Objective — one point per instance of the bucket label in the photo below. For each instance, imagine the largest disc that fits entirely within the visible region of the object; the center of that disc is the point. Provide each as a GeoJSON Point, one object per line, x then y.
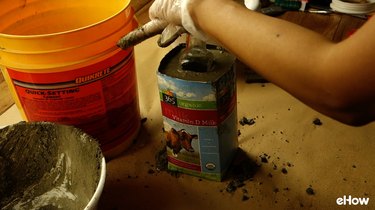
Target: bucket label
{"type": "Point", "coordinates": [200, 124]}
{"type": "Point", "coordinates": [101, 98]}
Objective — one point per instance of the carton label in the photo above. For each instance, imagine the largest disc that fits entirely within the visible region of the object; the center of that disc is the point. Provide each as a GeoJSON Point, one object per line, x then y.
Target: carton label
{"type": "Point", "coordinates": [200, 124]}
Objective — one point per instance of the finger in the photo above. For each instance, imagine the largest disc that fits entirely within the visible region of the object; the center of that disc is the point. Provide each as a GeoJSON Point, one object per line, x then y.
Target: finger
{"type": "Point", "coordinates": [142, 33]}
{"type": "Point", "coordinates": [170, 34]}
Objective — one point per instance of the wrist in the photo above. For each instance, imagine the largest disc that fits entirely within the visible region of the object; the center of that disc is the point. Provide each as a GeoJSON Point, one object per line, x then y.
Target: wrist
{"type": "Point", "coordinates": [190, 11]}
{"type": "Point", "coordinates": [197, 8]}
{"type": "Point", "coordinates": [204, 12]}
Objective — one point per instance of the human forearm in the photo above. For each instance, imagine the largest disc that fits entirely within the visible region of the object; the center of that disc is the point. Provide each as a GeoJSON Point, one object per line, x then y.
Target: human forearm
{"type": "Point", "coordinates": [265, 44]}
{"type": "Point", "coordinates": [290, 56]}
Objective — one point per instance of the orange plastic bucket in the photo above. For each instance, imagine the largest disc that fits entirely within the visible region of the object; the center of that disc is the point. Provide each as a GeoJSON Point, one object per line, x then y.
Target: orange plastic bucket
{"type": "Point", "coordinates": [61, 63]}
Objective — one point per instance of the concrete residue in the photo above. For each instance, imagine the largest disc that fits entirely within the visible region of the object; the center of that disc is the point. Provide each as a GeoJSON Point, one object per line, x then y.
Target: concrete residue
{"type": "Point", "coordinates": [44, 166]}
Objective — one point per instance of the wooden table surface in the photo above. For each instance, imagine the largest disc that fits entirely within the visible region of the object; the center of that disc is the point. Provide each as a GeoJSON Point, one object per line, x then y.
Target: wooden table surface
{"type": "Point", "coordinates": [334, 26]}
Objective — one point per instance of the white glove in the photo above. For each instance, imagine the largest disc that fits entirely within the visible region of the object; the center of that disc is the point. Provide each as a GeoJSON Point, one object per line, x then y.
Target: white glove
{"type": "Point", "coordinates": [176, 13]}
{"type": "Point", "coordinates": [171, 18]}
{"type": "Point", "coordinates": [252, 4]}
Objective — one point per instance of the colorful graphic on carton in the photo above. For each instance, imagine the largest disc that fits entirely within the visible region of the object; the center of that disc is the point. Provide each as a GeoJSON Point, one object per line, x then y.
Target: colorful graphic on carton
{"type": "Point", "coordinates": [209, 147]}
{"type": "Point", "coordinates": [178, 140]}
{"type": "Point", "coordinates": [196, 95]}
{"type": "Point", "coordinates": [182, 144]}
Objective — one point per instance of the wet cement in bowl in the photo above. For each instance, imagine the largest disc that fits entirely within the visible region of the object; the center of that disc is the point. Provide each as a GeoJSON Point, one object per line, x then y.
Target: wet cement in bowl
{"type": "Point", "coordinates": [47, 166]}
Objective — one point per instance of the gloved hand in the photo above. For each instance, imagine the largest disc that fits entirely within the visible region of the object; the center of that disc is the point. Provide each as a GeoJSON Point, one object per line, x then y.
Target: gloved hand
{"type": "Point", "coordinates": [171, 18]}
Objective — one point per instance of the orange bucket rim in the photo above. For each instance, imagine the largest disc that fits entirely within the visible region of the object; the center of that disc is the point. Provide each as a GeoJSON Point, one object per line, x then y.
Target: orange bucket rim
{"type": "Point", "coordinates": [126, 6]}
